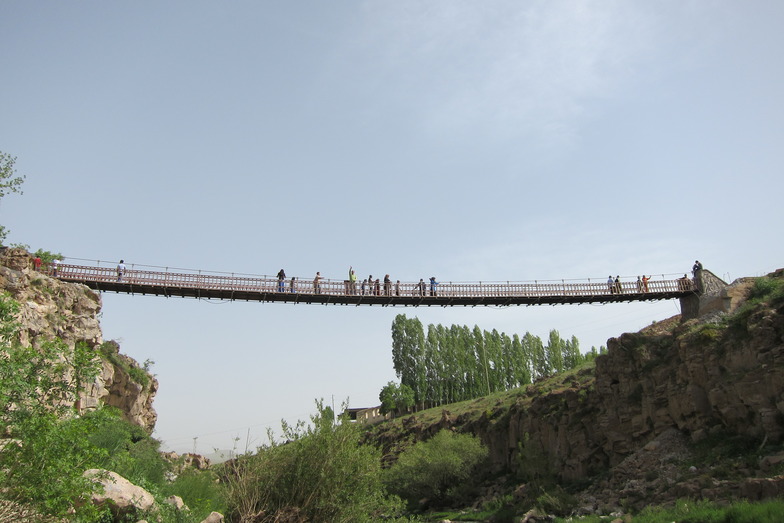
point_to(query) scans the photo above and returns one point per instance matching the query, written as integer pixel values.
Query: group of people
(422, 286)
(293, 287)
(371, 287)
(614, 284)
(367, 287)
(293, 284)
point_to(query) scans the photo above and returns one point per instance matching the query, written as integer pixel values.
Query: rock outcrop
(52, 309)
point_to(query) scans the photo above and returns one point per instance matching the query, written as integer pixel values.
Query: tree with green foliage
(47, 257)
(481, 361)
(554, 352)
(408, 355)
(459, 363)
(439, 469)
(520, 362)
(9, 183)
(540, 366)
(396, 398)
(571, 354)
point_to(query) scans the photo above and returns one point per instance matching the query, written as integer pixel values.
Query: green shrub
(556, 501)
(708, 332)
(110, 351)
(200, 491)
(767, 289)
(321, 473)
(438, 469)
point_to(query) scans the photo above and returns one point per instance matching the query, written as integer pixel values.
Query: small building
(366, 414)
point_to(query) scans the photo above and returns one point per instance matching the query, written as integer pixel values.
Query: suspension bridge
(186, 283)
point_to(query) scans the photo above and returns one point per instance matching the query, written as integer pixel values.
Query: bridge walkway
(224, 286)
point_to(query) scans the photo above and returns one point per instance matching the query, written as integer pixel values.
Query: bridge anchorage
(224, 286)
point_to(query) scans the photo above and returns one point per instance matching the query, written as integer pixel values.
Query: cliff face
(671, 385)
(52, 309)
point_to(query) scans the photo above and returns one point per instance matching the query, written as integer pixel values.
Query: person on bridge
(617, 285)
(433, 284)
(293, 279)
(120, 270)
(697, 267)
(387, 286)
(610, 284)
(55, 263)
(645, 283)
(378, 287)
(317, 283)
(397, 288)
(421, 287)
(281, 280)
(352, 280)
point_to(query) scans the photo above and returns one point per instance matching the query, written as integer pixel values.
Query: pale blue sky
(466, 140)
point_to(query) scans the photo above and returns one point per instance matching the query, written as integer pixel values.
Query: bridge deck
(254, 288)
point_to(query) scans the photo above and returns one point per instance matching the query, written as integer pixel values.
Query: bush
(321, 474)
(200, 491)
(438, 469)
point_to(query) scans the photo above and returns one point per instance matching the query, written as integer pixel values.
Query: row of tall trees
(449, 364)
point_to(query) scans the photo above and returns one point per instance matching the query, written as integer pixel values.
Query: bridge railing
(265, 284)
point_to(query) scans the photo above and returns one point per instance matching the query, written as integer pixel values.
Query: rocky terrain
(681, 409)
(52, 309)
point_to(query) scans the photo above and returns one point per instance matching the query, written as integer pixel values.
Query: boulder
(177, 502)
(122, 496)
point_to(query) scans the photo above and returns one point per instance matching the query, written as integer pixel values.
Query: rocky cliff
(52, 309)
(638, 417)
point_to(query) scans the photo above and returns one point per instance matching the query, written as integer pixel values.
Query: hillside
(681, 409)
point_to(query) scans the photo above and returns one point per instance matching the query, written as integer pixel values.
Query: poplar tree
(554, 352)
(539, 363)
(407, 353)
(482, 371)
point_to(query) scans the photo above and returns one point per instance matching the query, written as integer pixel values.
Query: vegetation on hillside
(321, 473)
(441, 470)
(47, 445)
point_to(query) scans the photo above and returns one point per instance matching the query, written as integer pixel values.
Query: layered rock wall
(697, 379)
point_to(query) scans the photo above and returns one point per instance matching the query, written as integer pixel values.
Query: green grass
(688, 511)
(582, 374)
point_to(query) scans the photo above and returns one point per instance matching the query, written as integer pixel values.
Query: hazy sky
(499, 140)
